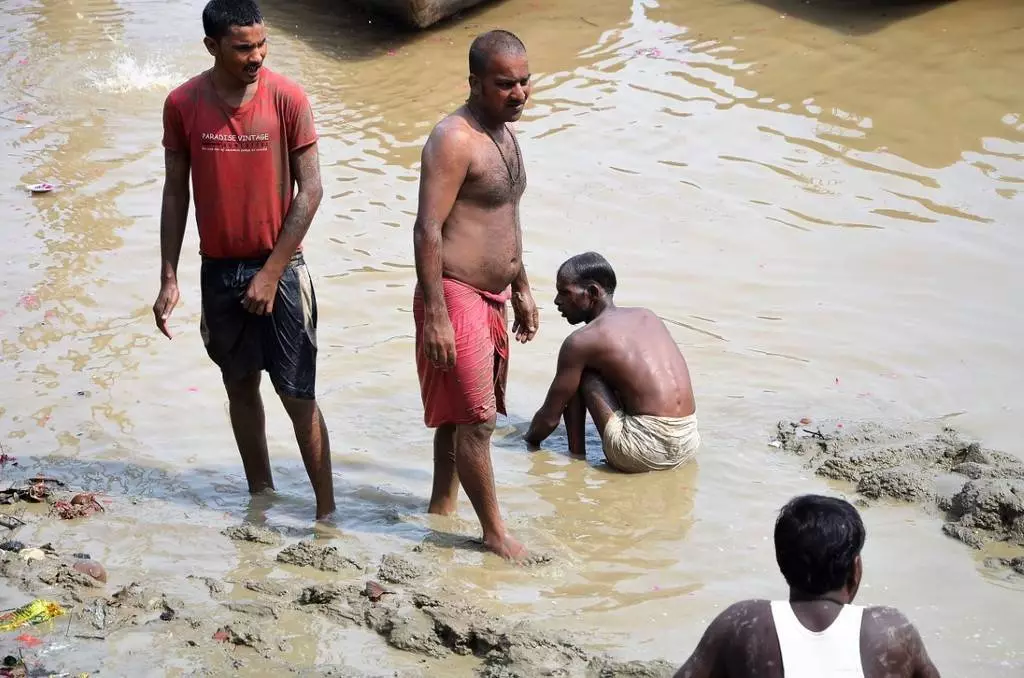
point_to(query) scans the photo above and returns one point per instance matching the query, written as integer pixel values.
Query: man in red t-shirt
(247, 136)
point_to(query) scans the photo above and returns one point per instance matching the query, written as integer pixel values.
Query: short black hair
(220, 15)
(490, 43)
(817, 540)
(589, 267)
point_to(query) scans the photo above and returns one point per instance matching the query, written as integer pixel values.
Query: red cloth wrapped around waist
(474, 388)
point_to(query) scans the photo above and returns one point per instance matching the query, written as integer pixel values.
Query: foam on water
(127, 73)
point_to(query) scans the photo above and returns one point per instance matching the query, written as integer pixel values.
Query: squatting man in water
(622, 366)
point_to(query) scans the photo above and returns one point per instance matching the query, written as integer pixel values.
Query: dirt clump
(214, 586)
(979, 491)
(991, 508)
(252, 533)
(254, 609)
(325, 558)
(395, 569)
(268, 588)
(434, 627)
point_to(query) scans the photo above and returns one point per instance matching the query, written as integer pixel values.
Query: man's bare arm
(305, 165)
(444, 166)
(707, 660)
(173, 213)
(568, 373)
(923, 666)
(890, 624)
(443, 169)
(173, 217)
(262, 292)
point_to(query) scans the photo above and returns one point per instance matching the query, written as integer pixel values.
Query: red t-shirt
(241, 175)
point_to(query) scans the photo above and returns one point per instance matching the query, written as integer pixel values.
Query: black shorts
(242, 343)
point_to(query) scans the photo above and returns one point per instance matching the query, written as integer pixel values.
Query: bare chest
(497, 174)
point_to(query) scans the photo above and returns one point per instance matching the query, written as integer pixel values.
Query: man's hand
(439, 342)
(259, 298)
(165, 303)
(526, 316)
(532, 440)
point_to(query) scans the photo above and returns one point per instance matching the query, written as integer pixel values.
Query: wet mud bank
(978, 493)
(227, 627)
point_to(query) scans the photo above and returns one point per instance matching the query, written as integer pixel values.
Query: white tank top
(832, 653)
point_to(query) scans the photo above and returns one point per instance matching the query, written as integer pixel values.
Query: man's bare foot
(326, 515)
(442, 508)
(507, 547)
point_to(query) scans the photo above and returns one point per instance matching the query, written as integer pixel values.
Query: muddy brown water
(822, 198)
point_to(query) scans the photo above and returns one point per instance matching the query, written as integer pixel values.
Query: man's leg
(599, 398)
(248, 422)
(575, 417)
(315, 448)
(290, 346)
(232, 338)
(473, 463)
(444, 496)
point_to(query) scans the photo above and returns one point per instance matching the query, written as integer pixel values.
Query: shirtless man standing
(468, 249)
(624, 367)
(818, 632)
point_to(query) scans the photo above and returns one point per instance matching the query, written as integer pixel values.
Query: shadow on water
(853, 17)
(347, 31)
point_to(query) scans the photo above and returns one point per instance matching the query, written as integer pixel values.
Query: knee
(244, 390)
(478, 433)
(299, 408)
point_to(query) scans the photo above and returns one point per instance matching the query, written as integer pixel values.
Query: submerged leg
(473, 461)
(444, 496)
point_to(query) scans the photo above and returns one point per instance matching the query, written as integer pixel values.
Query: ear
(211, 45)
(855, 577)
(594, 290)
(474, 84)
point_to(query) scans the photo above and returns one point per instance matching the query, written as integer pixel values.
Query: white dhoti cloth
(640, 443)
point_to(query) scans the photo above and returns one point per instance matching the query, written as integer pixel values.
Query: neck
(839, 597)
(600, 306)
(482, 118)
(228, 83)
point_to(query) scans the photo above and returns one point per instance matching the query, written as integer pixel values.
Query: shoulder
(185, 92)
(743, 612)
(576, 341)
(739, 620)
(282, 87)
(450, 140)
(453, 130)
(885, 631)
(643, 313)
(888, 618)
(887, 626)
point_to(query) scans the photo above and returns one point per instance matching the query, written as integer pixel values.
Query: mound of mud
(325, 558)
(421, 623)
(980, 491)
(252, 533)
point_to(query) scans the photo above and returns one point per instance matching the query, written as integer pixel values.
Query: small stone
(91, 568)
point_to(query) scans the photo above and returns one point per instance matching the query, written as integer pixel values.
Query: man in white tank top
(818, 632)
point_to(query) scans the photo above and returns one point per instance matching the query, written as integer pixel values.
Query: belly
(483, 249)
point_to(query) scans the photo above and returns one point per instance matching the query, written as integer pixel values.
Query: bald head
(491, 44)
